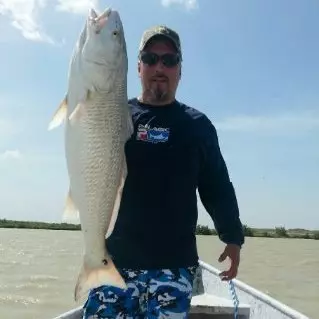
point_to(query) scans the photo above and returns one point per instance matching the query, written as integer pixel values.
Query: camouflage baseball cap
(163, 31)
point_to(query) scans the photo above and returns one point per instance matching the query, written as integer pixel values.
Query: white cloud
(76, 6)
(10, 154)
(283, 123)
(189, 4)
(25, 17)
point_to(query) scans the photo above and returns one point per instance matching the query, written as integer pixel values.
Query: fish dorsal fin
(116, 207)
(130, 130)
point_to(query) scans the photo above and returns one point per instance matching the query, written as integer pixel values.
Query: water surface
(38, 269)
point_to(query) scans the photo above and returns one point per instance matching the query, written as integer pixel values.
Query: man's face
(159, 81)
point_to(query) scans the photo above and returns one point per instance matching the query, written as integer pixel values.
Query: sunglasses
(168, 59)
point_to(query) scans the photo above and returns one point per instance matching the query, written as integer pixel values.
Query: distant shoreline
(277, 232)
(7, 223)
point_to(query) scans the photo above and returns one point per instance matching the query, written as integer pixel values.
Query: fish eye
(115, 33)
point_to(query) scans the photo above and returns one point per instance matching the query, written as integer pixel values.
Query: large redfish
(97, 125)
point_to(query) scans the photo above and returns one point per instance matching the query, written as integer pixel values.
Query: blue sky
(251, 66)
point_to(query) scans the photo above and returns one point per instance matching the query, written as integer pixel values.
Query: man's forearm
(217, 192)
(221, 205)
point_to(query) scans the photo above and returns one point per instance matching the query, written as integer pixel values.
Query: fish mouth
(94, 15)
(106, 13)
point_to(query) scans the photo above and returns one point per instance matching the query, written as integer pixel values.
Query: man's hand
(233, 252)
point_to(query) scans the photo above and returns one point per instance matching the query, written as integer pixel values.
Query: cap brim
(160, 36)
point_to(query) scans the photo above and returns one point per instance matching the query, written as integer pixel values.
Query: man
(173, 152)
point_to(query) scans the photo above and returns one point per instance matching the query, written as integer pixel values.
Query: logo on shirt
(154, 135)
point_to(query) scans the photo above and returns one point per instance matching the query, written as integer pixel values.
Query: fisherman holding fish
(134, 167)
(172, 152)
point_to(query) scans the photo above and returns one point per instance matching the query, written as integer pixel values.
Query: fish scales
(100, 151)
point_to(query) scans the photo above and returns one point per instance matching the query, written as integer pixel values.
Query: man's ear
(139, 68)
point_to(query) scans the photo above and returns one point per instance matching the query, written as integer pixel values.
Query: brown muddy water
(38, 269)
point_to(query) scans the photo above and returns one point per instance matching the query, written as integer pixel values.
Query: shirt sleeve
(216, 191)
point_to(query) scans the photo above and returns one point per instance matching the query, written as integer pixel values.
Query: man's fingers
(231, 273)
(223, 256)
(232, 252)
(228, 274)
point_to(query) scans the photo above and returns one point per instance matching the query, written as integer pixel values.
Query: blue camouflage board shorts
(164, 293)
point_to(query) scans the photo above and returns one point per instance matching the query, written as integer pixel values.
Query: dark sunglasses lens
(149, 58)
(170, 60)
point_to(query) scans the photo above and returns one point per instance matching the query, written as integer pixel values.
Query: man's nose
(159, 66)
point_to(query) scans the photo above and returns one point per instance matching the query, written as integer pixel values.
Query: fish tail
(90, 278)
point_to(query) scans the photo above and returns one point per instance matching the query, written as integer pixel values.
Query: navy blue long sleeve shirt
(173, 151)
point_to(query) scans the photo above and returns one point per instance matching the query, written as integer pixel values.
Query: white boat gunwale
(280, 306)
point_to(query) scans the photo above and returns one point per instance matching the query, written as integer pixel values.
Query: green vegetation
(205, 230)
(4, 223)
(278, 232)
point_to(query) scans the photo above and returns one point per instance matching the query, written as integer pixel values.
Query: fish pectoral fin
(71, 213)
(59, 115)
(80, 109)
(93, 277)
(77, 113)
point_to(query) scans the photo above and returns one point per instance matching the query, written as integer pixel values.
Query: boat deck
(210, 306)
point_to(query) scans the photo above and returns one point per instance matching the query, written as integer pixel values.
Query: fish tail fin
(90, 278)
